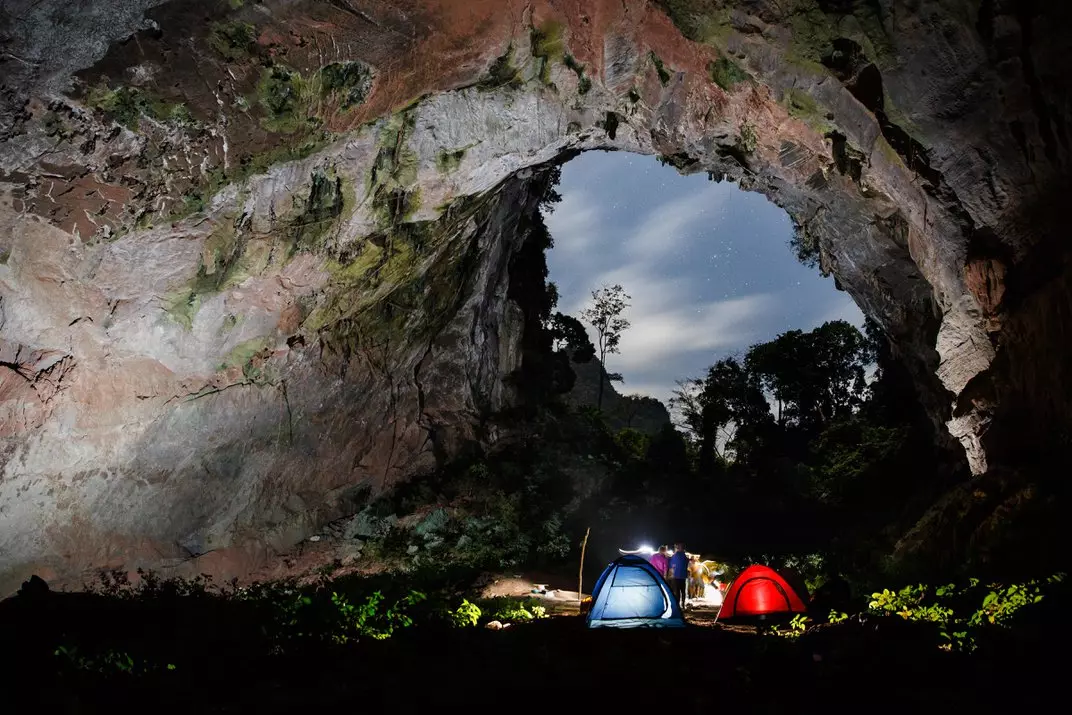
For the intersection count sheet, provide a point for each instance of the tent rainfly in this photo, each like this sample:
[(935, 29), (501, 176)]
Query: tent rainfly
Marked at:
[(760, 593), (630, 593)]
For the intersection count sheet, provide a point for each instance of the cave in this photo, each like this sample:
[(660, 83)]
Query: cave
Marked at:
[(259, 258)]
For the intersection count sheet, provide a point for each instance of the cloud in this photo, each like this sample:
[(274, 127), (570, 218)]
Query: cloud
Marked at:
[(575, 223), (658, 338), (680, 246), (664, 227), (659, 390)]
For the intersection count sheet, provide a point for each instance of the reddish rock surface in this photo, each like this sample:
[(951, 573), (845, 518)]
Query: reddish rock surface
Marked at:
[(204, 250)]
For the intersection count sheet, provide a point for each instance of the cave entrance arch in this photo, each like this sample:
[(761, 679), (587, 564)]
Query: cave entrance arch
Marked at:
[(284, 218), (710, 269)]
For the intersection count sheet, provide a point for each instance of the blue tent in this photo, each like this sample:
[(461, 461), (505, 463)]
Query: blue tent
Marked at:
[(631, 594)]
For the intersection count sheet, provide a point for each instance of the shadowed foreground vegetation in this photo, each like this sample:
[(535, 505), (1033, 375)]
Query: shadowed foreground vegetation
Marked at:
[(183, 646)]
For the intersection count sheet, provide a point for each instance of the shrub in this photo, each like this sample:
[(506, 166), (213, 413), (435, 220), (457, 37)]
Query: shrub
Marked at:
[(467, 614), (726, 73), (505, 608), (350, 81), (370, 619), (233, 40), (747, 140), (940, 606)]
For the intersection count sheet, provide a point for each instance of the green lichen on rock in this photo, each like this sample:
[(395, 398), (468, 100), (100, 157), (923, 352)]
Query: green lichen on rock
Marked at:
[(241, 354), (392, 185), (397, 286), (349, 82), (548, 46), (814, 30), (285, 97), (220, 267), (706, 21), (660, 68), (127, 105), (181, 306), (503, 72), (319, 210), (584, 84), (888, 151), (248, 165), (233, 41), (448, 161), (804, 107), (726, 73)]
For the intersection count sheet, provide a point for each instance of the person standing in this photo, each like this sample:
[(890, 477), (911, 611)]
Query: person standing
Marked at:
[(697, 571), (661, 560), (679, 573)]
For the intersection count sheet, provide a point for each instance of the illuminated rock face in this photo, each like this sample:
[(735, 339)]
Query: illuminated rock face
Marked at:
[(255, 256)]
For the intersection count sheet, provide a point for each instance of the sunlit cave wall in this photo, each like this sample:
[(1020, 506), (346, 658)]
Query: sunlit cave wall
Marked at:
[(180, 237)]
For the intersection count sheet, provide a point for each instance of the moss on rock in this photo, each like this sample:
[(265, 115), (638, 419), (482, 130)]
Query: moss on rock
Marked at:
[(319, 210), (127, 105), (548, 46), (392, 184), (233, 41), (448, 161), (807, 109), (348, 82), (503, 72), (242, 354), (660, 68), (726, 73), (285, 97)]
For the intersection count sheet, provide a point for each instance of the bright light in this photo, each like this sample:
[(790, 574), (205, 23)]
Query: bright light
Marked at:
[(646, 550)]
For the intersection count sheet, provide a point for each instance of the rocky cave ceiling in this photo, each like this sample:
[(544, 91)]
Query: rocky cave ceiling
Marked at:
[(255, 256)]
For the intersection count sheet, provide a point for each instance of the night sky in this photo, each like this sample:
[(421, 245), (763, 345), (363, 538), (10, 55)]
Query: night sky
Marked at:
[(708, 266)]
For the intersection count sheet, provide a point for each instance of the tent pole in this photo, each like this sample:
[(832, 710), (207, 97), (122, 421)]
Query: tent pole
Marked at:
[(580, 575)]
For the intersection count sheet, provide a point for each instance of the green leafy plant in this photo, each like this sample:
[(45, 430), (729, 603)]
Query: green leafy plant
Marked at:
[(107, 662), (467, 614), (127, 105), (369, 619), (959, 630), (747, 140), (504, 608), (797, 626), (282, 93), (1002, 602)]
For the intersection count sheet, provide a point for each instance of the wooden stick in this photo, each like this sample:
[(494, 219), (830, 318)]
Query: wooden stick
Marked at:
[(580, 576)]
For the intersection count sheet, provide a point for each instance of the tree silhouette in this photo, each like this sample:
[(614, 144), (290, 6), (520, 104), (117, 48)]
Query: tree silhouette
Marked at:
[(605, 315)]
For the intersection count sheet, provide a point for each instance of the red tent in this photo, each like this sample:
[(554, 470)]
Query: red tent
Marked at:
[(760, 591)]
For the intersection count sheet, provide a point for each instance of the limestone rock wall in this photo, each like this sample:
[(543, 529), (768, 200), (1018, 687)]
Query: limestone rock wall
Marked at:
[(254, 255)]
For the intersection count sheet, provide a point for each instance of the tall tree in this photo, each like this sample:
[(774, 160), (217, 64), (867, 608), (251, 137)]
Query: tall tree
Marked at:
[(815, 377), (605, 315), (728, 402), (569, 334)]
